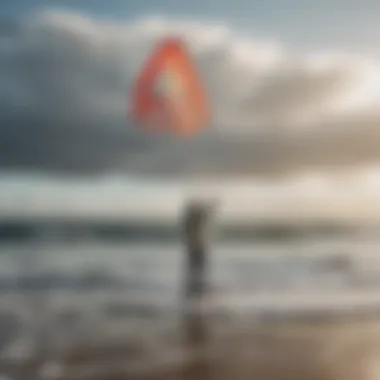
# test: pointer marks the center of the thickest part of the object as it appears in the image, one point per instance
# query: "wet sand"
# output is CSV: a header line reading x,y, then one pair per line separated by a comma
x,y
312,349
342,351
303,352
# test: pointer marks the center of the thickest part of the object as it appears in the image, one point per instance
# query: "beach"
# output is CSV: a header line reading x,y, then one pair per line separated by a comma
x,y
284,351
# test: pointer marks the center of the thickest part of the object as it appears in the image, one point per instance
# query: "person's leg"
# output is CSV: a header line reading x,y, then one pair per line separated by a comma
x,y
195,291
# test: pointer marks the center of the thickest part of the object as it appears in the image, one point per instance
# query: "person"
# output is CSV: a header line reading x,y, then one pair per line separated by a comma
x,y
196,221
195,228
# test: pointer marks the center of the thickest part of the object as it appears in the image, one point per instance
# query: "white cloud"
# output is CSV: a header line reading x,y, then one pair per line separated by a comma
x,y
351,198
65,81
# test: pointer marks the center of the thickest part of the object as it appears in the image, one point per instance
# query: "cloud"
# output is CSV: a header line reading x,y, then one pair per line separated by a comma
x,y
65,80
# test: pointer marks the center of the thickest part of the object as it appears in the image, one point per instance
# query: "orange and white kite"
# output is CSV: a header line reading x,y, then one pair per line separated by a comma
x,y
168,94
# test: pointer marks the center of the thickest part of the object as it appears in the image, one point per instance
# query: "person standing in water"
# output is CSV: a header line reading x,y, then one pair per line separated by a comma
x,y
196,220
195,226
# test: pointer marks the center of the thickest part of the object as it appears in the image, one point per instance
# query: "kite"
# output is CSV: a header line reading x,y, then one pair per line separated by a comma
x,y
168,94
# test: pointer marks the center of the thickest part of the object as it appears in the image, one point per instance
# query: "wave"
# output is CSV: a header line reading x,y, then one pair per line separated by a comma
x,y
64,230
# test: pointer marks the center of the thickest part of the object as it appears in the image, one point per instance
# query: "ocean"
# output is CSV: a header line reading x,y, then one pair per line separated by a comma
x,y
56,292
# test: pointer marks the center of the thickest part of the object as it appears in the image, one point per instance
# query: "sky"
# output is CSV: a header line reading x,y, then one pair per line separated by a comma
x,y
349,200
294,87
320,24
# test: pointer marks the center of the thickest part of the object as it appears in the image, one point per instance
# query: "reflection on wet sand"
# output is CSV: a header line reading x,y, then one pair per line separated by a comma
x,y
9,327
342,351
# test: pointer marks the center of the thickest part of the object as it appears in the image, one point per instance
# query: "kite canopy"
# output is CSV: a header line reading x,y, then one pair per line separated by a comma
x,y
168,94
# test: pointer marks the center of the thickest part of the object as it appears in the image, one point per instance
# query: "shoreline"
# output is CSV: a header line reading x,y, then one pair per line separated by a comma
x,y
278,351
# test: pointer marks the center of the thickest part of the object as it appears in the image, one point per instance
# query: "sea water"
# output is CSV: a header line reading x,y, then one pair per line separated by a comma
x,y
45,286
